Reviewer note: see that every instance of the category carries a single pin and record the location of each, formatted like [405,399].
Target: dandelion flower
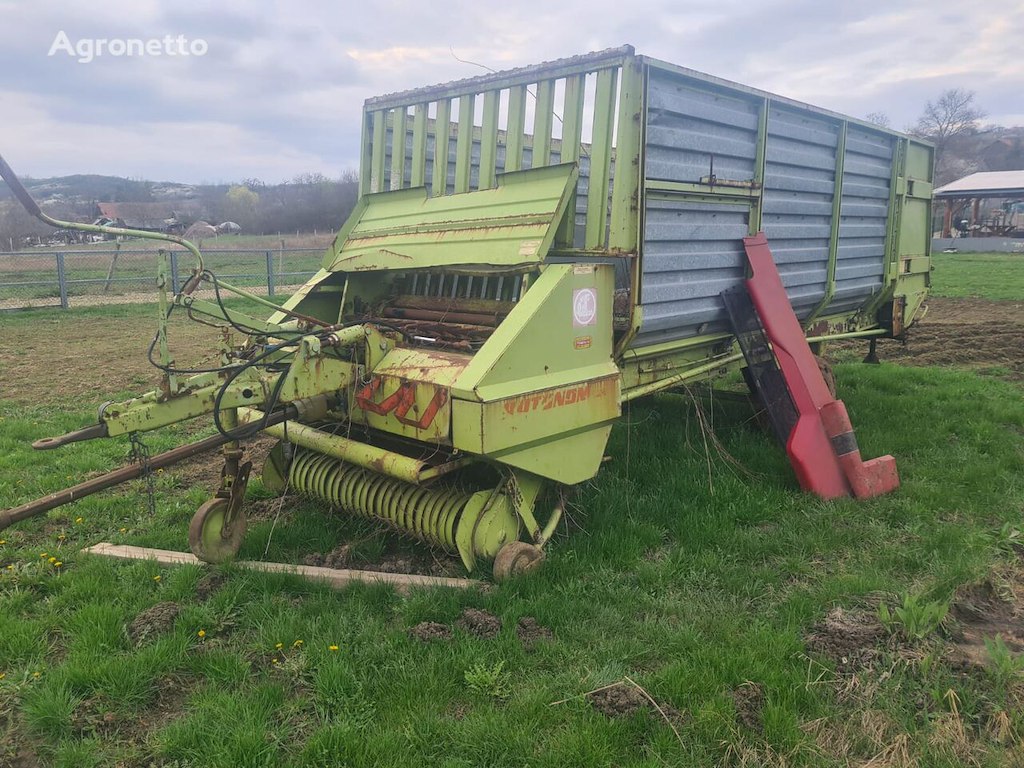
[53,560]
[332,648]
[157,577]
[58,564]
[2,542]
[36,674]
[201,633]
[44,554]
[79,520]
[297,643]
[274,660]
[10,567]
[61,537]
[123,530]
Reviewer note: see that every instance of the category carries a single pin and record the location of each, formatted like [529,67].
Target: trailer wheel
[515,559]
[209,539]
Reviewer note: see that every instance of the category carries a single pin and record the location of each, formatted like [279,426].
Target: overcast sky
[279,90]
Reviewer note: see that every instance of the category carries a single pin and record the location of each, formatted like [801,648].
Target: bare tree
[947,122]
[879,118]
[952,114]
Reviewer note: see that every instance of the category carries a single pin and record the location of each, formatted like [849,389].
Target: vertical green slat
[489,140]
[572,118]
[418,172]
[600,157]
[898,190]
[377,163]
[365,157]
[624,232]
[833,237]
[757,203]
[514,132]
[542,118]
[439,182]
[464,144]
[572,133]
[398,129]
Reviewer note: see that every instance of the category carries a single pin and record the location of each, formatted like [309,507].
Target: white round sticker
[584,306]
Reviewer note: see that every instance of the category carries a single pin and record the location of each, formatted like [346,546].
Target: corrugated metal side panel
[867,178]
[692,252]
[799,185]
[688,124]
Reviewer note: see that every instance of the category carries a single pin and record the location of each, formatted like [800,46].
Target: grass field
[751,613]
[986,275]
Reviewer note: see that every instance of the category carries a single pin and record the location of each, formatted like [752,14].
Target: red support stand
[822,447]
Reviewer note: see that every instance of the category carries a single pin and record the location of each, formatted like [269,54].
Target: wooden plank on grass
[336,577]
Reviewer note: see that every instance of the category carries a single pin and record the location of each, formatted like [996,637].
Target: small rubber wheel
[206,535]
[515,559]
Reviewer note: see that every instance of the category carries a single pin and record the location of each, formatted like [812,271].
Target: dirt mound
[479,623]
[208,585]
[849,638]
[427,631]
[625,700]
[348,555]
[153,621]
[971,333]
[981,612]
[339,557]
[748,700]
[530,632]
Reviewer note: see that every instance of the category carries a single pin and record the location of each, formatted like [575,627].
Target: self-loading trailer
[532,249]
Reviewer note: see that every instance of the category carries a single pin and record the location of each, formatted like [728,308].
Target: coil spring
[430,515]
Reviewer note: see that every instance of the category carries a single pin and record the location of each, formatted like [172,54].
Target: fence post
[174,272]
[270,274]
[62,283]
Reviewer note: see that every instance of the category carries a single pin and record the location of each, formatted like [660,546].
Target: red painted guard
[819,446]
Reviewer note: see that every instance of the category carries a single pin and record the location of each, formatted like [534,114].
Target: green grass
[693,580]
[689,584]
[998,276]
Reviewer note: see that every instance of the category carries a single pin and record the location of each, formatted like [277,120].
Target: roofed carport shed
[978,187]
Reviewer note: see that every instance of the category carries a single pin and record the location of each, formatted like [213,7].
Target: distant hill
[80,188]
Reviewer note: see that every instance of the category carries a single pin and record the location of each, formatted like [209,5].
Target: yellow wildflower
[123,530]
[201,633]
[279,646]
[2,542]
[58,564]
[332,647]
[36,674]
[157,577]
[53,560]
[79,520]
[44,554]
[297,644]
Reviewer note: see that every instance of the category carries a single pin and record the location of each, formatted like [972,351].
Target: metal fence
[69,278]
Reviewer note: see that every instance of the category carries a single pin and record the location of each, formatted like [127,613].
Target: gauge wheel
[207,537]
[515,559]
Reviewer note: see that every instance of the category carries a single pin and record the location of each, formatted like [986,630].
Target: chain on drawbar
[140,455]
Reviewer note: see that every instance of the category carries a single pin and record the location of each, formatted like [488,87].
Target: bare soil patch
[971,333]
[208,585]
[625,700]
[984,611]
[396,557]
[479,623]
[153,621]
[427,631]
[748,700]
[851,639]
[530,631]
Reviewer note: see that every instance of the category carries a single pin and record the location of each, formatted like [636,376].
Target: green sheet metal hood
[510,225]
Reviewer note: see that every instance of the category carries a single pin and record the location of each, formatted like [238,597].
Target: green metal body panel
[513,224]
